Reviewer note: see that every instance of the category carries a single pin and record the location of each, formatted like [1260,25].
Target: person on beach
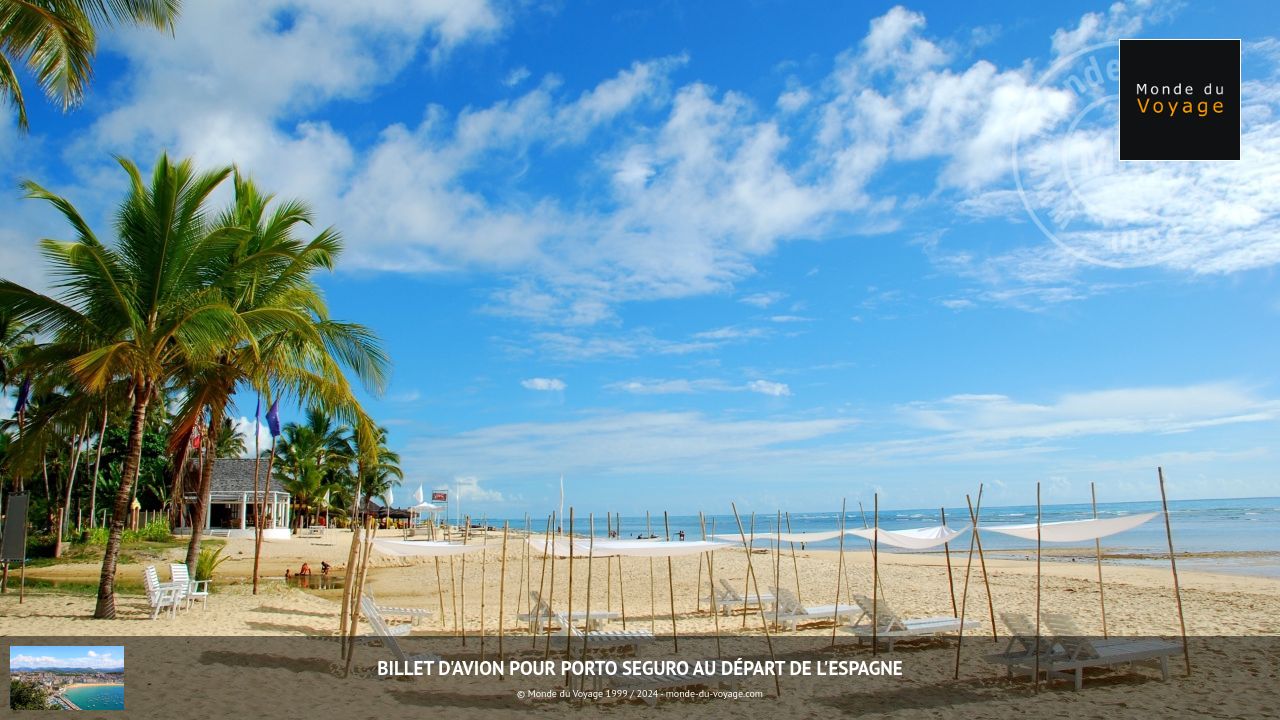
[324,568]
[681,536]
[304,570]
[287,575]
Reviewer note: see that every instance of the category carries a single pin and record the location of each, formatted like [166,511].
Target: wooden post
[711,582]
[1097,548]
[484,565]
[551,589]
[777,563]
[671,586]
[795,564]
[1037,648]
[591,555]
[502,592]
[840,569]
[975,515]
[568,632]
[946,549]
[542,580]
[439,591]
[875,574]
[1173,564]
[608,563]
[653,604]
[964,595]
[462,580]
[751,576]
[764,624]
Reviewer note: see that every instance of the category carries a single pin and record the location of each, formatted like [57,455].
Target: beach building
[231,506]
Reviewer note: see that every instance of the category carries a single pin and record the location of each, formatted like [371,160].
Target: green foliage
[209,560]
[155,531]
[27,696]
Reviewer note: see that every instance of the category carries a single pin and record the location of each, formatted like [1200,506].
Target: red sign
[439,497]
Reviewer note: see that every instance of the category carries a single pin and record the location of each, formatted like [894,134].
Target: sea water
[100,697]
[1243,533]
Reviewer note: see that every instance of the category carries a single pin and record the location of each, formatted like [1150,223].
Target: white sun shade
[914,538]
[800,537]
[1073,530]
[428,548]
[628,548]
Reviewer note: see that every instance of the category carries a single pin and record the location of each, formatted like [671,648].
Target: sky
[776,253]
[98,657]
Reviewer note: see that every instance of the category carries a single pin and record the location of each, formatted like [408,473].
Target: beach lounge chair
[1021,648]
[388,633]
[191,590]
[890,627]
[542,615]
[415,615]
[1080,652]
[728,599]
[600,639]
[160,596]
[790,613]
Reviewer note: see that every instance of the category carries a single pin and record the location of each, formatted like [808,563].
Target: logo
[1179,99]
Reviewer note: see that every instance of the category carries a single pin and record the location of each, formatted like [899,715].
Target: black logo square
[1179,99]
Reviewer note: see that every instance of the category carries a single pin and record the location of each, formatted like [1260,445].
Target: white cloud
[516,76]
[468,488]
[762,299]
[766,387]
[90,660]
[244,428]
[1122,19]
[543,384]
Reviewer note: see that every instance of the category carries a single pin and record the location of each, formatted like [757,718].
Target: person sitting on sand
[305,570]
[287,575]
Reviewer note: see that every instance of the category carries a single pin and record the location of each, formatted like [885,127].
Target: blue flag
[273,418]
[24,394]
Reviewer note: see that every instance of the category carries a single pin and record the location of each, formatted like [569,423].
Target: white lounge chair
[890,627]
[790,613]
[1023,643]
[1079,652]
[191,590]
[160,596]
[388,633]
[542,615]
[600,639]
[729,599]
[415,615]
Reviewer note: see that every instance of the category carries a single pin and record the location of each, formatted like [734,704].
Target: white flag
[417,496]
[390,497]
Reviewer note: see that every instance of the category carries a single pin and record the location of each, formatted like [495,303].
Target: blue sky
[770,252]
[32,657]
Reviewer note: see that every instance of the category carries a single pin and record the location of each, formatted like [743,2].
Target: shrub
[155,531]
[208,561]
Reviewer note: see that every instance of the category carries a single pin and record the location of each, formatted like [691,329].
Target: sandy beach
[1232,620]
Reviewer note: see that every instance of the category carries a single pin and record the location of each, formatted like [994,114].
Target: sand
[1234,677]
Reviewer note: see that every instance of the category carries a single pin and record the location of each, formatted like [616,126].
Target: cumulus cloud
[766,387]
[543,384]
[469,489]
[90,660]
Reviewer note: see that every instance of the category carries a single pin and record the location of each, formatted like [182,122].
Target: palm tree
[138,310]
[57,39]
[230,442]
[313,460]
[295,349]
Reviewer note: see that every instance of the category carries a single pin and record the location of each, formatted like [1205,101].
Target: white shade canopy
[1073,530]
[912,539]
[428,507]
[423,548]
[628,548]
[800,537]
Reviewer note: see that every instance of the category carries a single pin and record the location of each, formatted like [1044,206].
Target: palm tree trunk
[257,541]
[106,608]
[97,465]
[71,482]
[210,447]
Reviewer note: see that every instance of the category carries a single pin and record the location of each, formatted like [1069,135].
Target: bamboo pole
[453,595]
[879,586]
[964,595]
[974,518]
[875,575]
[542,580]
[462,580]
[671,587]
[440,591]
[502,592]
[653,604]
[1038,521]
[551,592]
[711,582]
[608,564]
[591,553]
[751,576]
[777,564]
[844,506]
[698,583]
[1097,549]
[484,565]
[1173,564]
[622,595]
[764,624]
[946,549]
[795,564]
[568,632]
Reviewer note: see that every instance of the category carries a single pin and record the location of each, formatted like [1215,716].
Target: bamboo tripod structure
[764,624]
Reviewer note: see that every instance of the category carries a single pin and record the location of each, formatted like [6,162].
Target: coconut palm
[314,459]
[57,39]
[295,350]
[137,310]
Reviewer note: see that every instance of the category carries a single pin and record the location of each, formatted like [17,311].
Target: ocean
[99,697]
[1239,535]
